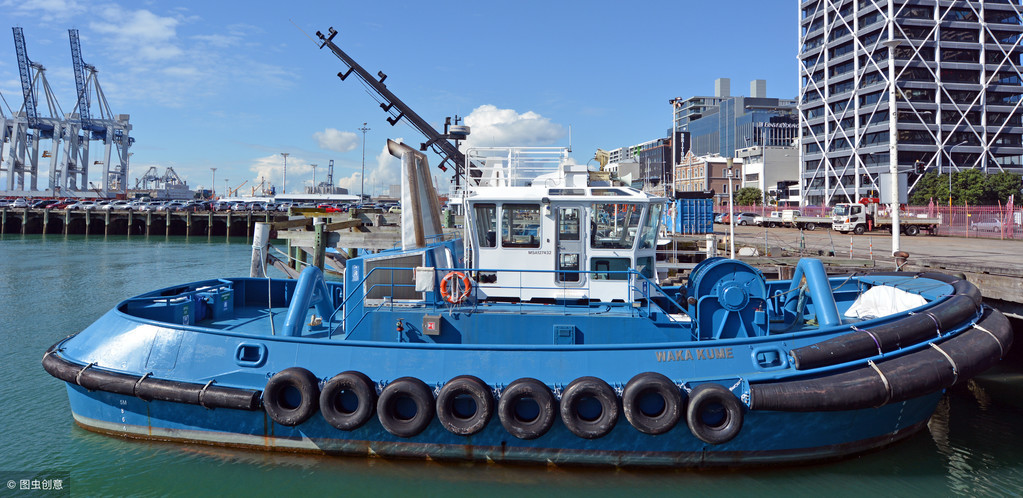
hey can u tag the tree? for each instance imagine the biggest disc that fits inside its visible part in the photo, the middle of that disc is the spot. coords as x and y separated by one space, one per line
969 185
999 186
748 196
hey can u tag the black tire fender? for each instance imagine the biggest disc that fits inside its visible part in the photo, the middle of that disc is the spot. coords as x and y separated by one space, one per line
399 424
638 391
279 396
708 401
589 388
451 396
353 386
517 394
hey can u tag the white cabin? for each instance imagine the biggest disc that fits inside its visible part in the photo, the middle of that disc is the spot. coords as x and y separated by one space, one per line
536 228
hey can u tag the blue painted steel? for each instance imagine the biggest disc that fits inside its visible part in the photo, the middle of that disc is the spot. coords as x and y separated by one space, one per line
817 288
310 291
376 326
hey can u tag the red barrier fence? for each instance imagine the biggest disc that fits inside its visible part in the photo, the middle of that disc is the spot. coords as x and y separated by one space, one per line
1000 222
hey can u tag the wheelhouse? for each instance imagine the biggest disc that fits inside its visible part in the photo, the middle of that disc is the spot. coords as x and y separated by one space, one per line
578 237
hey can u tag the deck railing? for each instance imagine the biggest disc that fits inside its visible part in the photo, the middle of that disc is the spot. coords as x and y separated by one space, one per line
634 288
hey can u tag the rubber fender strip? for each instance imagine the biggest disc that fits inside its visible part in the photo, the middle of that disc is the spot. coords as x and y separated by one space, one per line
903 332
95 379
887 386
1001 351
955 369
919 373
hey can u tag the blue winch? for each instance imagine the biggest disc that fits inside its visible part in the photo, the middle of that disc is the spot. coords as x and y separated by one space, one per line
728 298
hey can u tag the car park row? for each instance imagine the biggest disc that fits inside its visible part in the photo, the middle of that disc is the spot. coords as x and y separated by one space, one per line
71 204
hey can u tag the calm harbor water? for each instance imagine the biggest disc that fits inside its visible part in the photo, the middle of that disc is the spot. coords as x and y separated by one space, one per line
51 286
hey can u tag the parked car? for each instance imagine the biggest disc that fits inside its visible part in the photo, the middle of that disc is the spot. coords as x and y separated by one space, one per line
720 217
991 224
745 218
117 206
40 203
240 206
82 205
19 203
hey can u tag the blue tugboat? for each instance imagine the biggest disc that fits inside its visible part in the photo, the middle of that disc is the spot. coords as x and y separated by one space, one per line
541 335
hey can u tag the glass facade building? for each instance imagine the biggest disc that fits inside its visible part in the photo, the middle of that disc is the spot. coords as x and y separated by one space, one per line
740 122
935 83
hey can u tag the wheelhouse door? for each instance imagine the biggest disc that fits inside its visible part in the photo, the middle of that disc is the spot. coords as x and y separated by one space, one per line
569 253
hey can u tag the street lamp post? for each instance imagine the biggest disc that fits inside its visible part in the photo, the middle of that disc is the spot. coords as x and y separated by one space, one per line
213 183
362 178
731 213
893 133
227 189
284 184
951 165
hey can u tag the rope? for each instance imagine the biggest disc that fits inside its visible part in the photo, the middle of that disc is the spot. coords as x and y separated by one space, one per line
1001 351
955 369
269 294
934 319
135 390
203 393
872 336
887 386
78 378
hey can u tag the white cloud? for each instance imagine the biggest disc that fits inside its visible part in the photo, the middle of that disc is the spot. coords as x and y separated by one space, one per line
493 127
336 140
140 34
379 177
270 170
48 11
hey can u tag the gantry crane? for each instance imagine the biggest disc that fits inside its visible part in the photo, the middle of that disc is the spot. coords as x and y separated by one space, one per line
28 128
103 126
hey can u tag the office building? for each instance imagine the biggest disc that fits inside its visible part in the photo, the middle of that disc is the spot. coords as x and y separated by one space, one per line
922 83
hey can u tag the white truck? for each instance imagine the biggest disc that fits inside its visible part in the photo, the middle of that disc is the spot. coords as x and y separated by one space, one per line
794 219
867 215
772 220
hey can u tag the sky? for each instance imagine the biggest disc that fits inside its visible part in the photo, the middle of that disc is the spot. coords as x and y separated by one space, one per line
232 85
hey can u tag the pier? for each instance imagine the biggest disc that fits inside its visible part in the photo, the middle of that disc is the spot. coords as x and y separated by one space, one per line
117 222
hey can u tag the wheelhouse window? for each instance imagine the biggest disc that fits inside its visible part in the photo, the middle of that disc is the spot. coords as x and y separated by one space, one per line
649 232
486 224
613 226
520 225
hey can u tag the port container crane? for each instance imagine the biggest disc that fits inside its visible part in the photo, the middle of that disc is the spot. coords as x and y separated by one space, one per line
28 128
112 130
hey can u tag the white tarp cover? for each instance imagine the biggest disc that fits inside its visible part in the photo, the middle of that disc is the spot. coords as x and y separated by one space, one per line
882 300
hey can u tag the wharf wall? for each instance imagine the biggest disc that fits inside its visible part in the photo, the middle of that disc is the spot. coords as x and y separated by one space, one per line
102 222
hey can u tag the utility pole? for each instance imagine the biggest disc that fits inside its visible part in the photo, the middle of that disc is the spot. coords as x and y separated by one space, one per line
284 185
362 192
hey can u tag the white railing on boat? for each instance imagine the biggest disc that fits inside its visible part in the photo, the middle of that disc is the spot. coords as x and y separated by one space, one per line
511 166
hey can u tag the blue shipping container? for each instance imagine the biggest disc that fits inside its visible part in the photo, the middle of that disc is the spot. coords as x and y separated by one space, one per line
689 216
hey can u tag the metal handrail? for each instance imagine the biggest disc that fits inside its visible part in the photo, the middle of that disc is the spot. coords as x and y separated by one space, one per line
646 291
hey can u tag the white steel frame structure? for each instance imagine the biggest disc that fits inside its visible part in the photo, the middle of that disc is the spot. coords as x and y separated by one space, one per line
956 78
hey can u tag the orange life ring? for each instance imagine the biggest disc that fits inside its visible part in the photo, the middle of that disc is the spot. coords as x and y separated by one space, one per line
449 287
